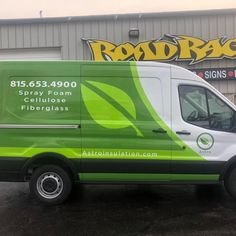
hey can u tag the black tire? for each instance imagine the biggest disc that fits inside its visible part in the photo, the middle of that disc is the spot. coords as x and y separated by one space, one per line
50 184
230 183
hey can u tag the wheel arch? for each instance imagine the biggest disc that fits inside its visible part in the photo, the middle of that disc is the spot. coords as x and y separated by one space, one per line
49 158
231 163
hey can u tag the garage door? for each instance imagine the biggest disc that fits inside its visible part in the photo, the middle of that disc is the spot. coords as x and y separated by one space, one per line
30 54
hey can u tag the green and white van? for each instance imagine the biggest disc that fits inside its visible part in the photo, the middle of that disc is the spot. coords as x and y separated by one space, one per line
112 122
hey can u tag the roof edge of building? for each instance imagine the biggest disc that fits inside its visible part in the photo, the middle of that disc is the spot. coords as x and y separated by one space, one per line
68 19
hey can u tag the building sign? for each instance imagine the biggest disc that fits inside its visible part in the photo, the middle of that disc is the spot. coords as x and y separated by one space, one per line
168 48
217 73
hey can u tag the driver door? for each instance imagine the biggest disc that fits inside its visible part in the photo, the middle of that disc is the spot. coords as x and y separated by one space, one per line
204 121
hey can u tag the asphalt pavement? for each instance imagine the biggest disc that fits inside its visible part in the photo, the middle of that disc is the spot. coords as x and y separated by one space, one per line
120 210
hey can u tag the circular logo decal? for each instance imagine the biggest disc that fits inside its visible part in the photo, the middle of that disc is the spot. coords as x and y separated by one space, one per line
205 141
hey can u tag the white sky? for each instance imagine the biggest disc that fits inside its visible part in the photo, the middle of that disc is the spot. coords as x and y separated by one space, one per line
55 8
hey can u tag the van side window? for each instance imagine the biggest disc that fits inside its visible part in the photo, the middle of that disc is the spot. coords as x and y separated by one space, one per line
194 105
202 108
221 116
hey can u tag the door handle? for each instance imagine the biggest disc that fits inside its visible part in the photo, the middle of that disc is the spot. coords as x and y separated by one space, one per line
159 131
183 132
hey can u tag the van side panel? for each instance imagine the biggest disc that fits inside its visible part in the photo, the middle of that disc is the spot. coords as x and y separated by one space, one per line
105 118
40 112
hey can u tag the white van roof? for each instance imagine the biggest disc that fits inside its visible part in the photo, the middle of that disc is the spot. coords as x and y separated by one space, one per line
176 71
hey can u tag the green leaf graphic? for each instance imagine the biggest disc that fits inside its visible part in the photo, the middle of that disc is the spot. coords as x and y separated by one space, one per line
118 95
99 108
204 141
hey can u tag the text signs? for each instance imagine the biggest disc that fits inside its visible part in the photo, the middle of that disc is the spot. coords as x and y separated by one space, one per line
216 73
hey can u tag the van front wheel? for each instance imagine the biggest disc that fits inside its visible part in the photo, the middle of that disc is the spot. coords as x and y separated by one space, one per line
50 184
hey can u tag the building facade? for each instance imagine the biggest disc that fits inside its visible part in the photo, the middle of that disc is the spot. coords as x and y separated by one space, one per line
202 41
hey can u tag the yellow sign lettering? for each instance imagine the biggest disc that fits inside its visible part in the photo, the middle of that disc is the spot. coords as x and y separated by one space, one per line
178 48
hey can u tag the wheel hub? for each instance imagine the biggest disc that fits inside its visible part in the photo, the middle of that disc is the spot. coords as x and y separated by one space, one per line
49 185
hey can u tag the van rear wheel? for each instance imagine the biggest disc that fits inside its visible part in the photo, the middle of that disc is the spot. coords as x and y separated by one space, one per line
50 184
230 183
